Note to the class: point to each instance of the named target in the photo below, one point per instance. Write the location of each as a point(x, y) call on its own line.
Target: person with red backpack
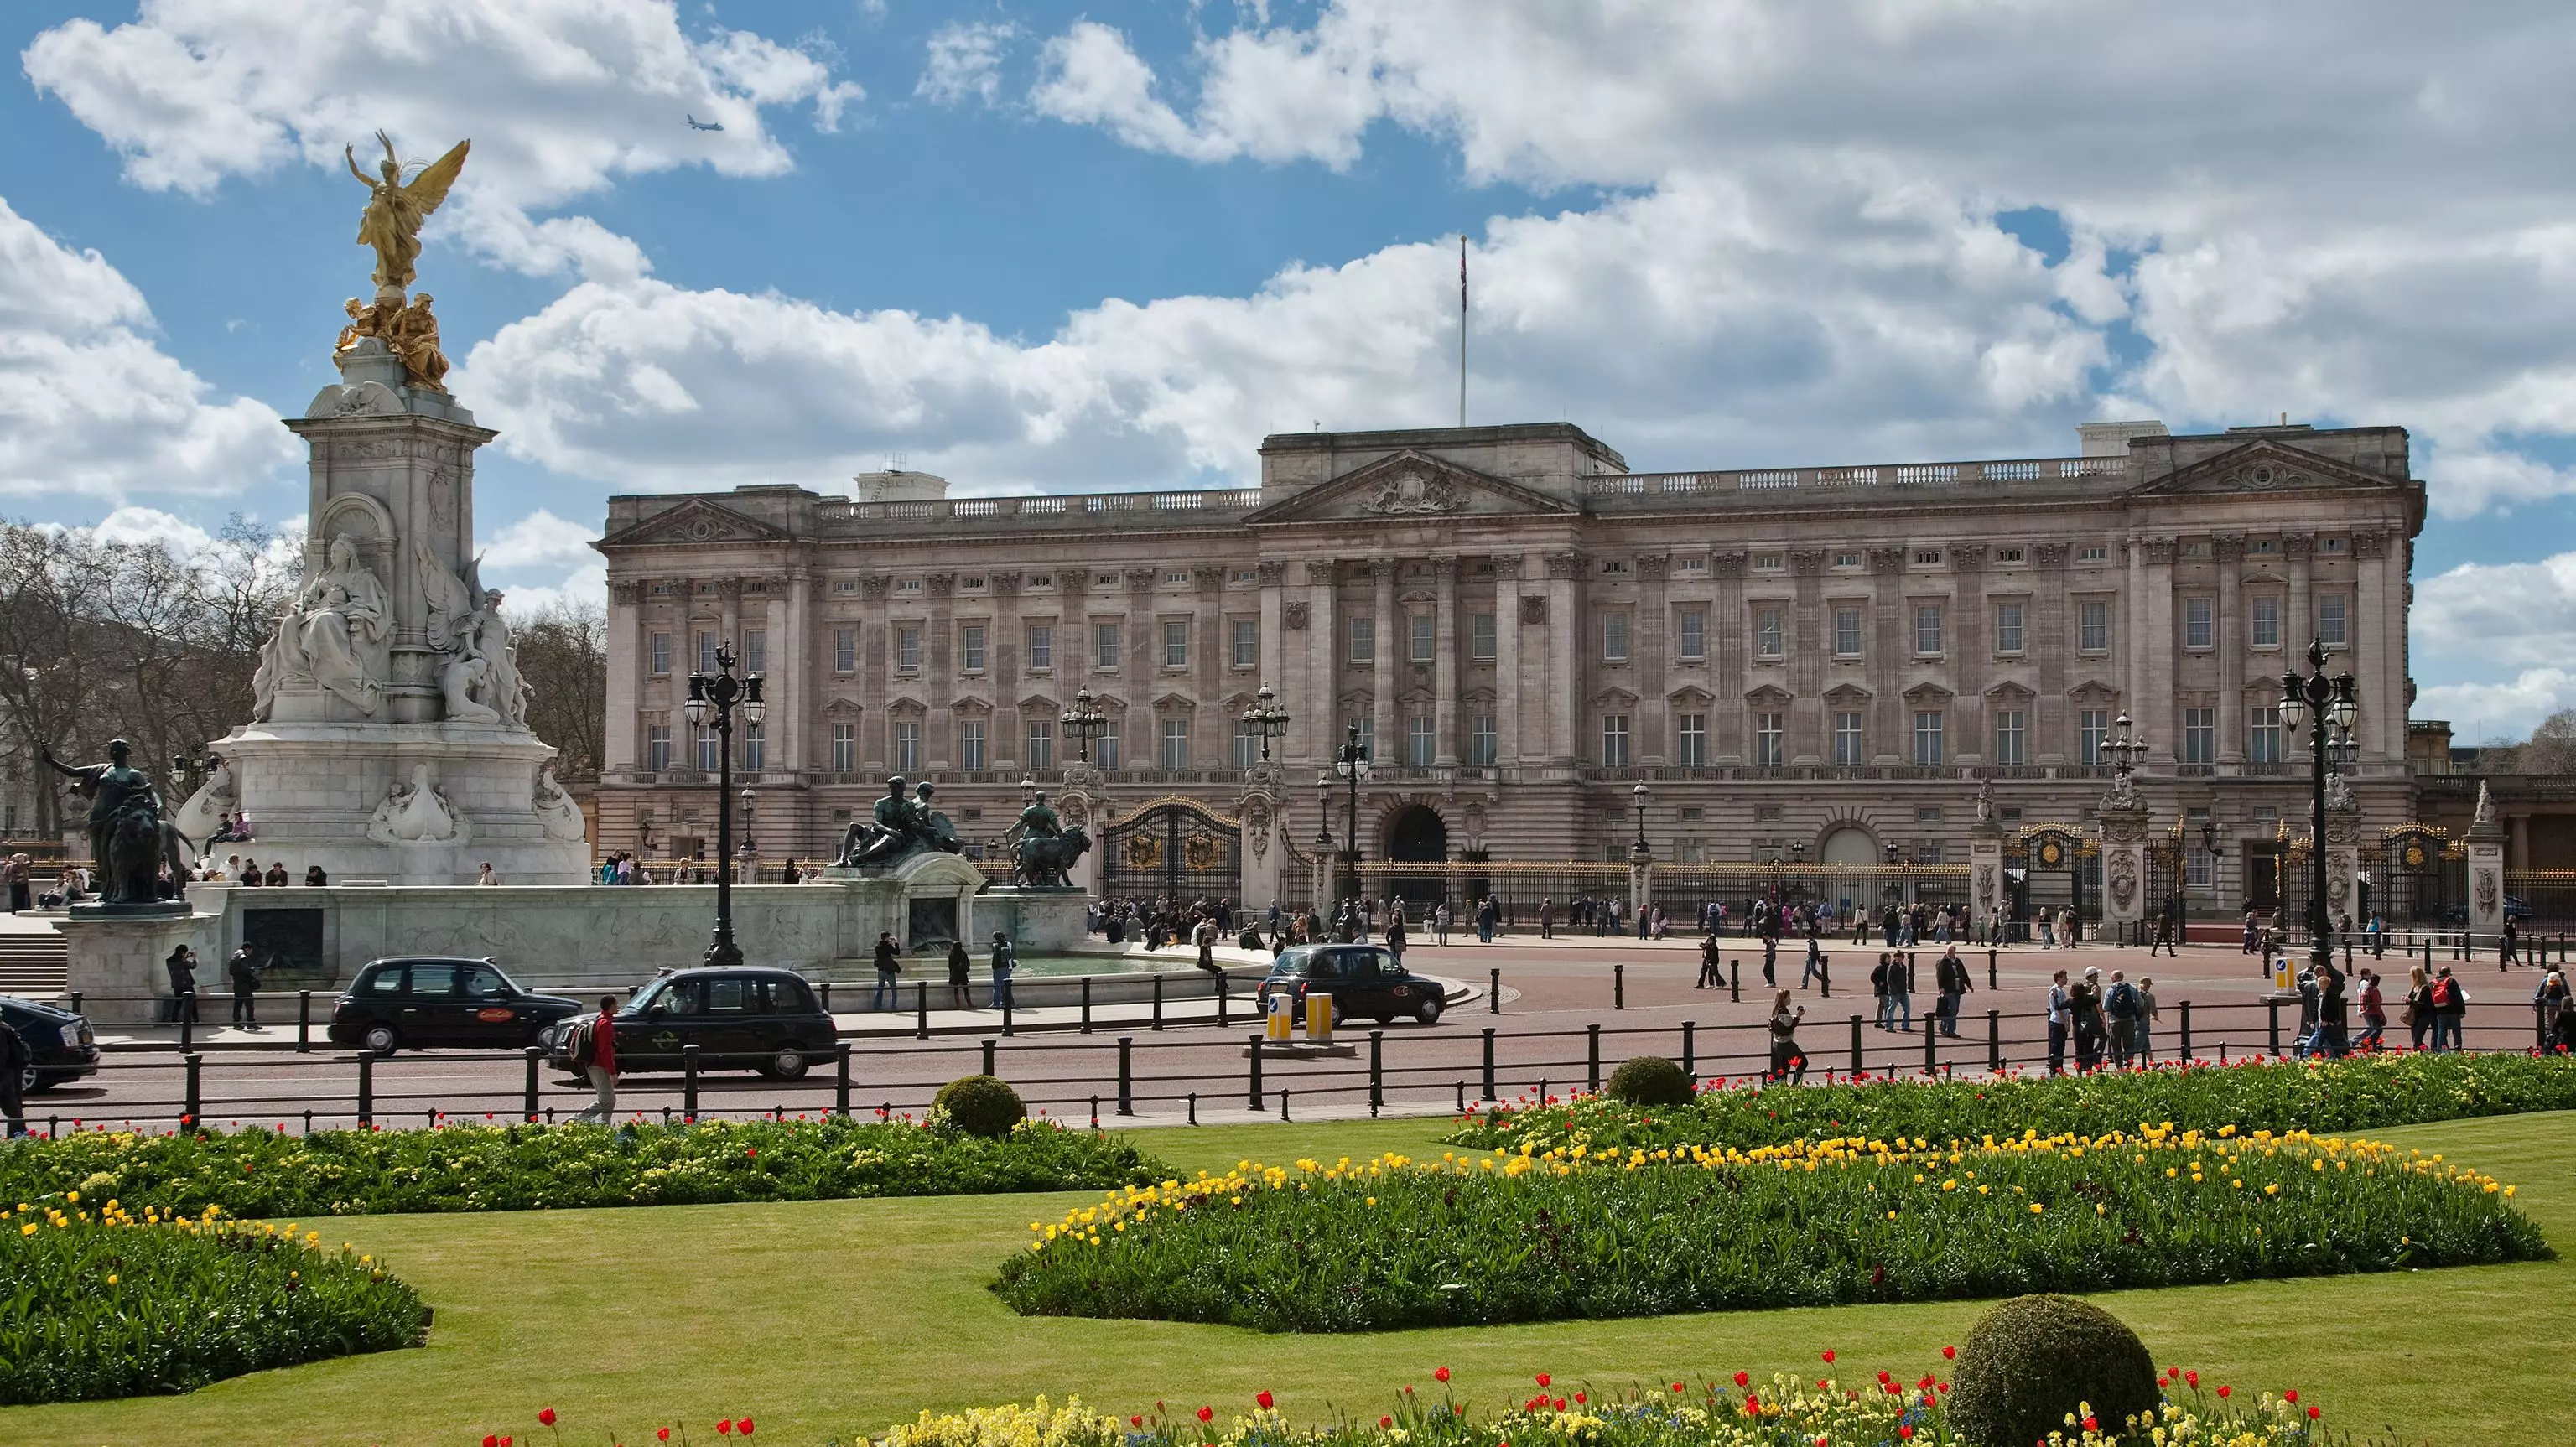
point(2450, 1010)
point(593, 1048)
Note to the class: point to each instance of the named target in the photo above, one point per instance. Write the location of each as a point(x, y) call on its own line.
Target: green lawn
point(830, 1319)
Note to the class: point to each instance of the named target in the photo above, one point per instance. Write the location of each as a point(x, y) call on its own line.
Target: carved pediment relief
point(2264, 465)
point(1409, 486)
point(1768, 696)
point(1691, 697)
point(1038, 705)
point(1927, 694)
point(694, 521)
point(1847, 694)
point(2093, 690)
point(1614, 698)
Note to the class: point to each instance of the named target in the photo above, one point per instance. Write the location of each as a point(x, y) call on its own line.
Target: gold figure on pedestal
point(412, 334)
point(396, 208)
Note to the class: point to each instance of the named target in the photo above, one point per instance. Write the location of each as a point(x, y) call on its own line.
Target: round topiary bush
point(1650, 1080)
point(980, 1105)
point(2034, 1359)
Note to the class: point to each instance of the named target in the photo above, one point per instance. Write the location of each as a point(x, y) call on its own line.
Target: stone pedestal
point(2123, 820)
point(1641, 887)
point(2485, 841)
point(1039, 921)
point(314, 793)
point(2343, 863)
point(926, 901)
point(115, 962)
point(1986, 893)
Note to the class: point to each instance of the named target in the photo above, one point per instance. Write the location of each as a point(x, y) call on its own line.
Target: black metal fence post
point(1221, 1021)
point(2272, 1025)
point(1931, 1019)
point(2186, 1032)
point(689, 1083)
point(1491, 1090)
point(1086, 1004)
point(1377, 1071)
point(1592, 1057)
point(1618, 986)
point(1825, 976)
point(989, 1047)
point(841, 1078)
point(1858, 1066)
point(1995, 1040)
point(1158, 1004)
point(1735, 983)
point(1494, 992)
point(304, 1022)
point(1126, 1075)
point(1990, 967)
point(366, 1088)
point(921, 1009)
point(1690, 1049)
point(1009, 999)
point(1252, 1077)
point(194, 1063)
point(528, 1088)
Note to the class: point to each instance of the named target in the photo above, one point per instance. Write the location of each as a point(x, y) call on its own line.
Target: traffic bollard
point(1126, 1075)
point(1158, 1004)
point(1690, 1049)
point(1490, 1095)
point(1990, 967)
point(1735, 983)
point(1859, 1068)
point(2272, 1025)
point(988, 1058)
point(1494, 992)
point(1086, 1004)
point(1221, 1021)
point(194, 1062)
point(1592, 1058)
point(1252, 1078)
point(841, 1078)
point(1995, 1040)
point(2186, 1032)
point(689, 1083)
point(1618, 987)
point(921, 1009)
point(1377, 1071)
point(367, 1089)
point(528, 1088)
point(304, 1022)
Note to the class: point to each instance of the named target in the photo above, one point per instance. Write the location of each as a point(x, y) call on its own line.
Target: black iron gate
point(2049, 869)
point(1175, 847)
point(2410, 881)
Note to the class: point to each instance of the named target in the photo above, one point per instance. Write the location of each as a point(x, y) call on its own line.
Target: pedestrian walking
point(961, 967)
point(2330, 1039)
point(1787, 1061)
point(2092, 1030)
point(2121, 1008)
point(1900, 987)
point(2509, 945)
point(2059, 1018)
point(2148, 1015)
point(2450, 1011)
point(1950, 978)
point(1395, 939)
point(2417, 1006)
point(2374, 1012)
point(594, 1049)
point(889, 961)
point(1878, 989)
point(1815, 966)
point(243, 971)
point(182, 965)
point(1711, 964)
point(1770, 959)
point(1546, 918)
point(1004, 959)
point(16, 1062)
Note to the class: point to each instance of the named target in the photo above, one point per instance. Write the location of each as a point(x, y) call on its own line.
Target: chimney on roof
point(896, 485)
point(2111, 439)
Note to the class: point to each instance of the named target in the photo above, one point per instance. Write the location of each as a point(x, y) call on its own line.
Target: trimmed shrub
point(1650, 1080)
point(2034, 1362)
point(979, 1105)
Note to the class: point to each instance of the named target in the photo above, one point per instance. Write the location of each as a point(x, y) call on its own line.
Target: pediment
point(2260, 466)
point(1847, 693)
point(694, 521)
point(2093, 690)
point(1410, 486)
point(1038, 703)
point(1691, 694)
point(1614, 697)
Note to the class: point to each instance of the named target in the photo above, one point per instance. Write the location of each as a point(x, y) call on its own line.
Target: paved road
point(1553, 996)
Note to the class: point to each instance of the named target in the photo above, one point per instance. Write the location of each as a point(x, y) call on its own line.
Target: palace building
point(1817, 662)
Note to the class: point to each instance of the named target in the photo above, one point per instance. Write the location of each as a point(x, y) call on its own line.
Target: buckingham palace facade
point(1825, 659)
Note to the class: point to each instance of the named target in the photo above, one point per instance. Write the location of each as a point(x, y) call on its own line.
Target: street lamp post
point(2324, 705)
point(713, 700)
point(1351, 764)
point(1264, 718)
point(1639, 850)
point(1083, 720)
point(750, 850)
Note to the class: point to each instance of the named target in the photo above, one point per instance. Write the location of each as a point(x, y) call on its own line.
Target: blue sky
point(1042, 245)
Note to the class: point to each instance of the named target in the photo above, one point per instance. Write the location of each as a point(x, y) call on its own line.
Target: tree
point(2552, 749)
point(563, 654)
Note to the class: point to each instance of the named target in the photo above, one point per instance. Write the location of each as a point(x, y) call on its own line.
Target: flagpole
point(1462, 329)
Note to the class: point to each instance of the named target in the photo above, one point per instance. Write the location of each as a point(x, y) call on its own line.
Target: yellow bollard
point(2281, 979)
point(1319, 1019)
point(1278, 1016)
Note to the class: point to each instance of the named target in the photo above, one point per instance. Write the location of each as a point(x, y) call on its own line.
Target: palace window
point(1693, 738)
point(970, 744)
point(1847, 748)
point(845, 748)
point(2012, 735)
point(2008, 555)
point(1770, 637)
point(2093, 626)
point(1481, 741)
point(2008, 629)
point(1927, 738)
point(706, 653)
point(907, 746)
point(1424, 629)
point(1367, 727)
point(2093, 729)
point(755, 650)
point(1692, 635)
point(1419, 742)
point(1927, 557)
point(657, 747)
point(1104, 647)
point(2200, 736)
point(2267, 623)
point(1766, 562)
point(1614, 637)
point(907, 649)
point(1846, 560)
point(1767, 739)
point(2199, 622)
point(1614, 565)
point(1041, 645)
point(1176, 743)
point(2263, 733)
point(755, 749)
point(970, 647)
point(1041, 746)
point(658, 649)
point(1614, 740)
point(1480, 637)
point(2331, 620)
point(1847, 633)
point(1247, 643)
point(2093, 553)
point(709, 749)
point(1363, 632)
point(1690, 565)
point(1927, 628)
point(845, 650)
point(1247, 745)
point(1176, 643)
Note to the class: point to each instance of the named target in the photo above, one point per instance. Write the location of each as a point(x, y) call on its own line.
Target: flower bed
point(1510, 1237)
point(108, 1304)
point(530, 1167)
point(2372, 1093)
point(1734, 1411)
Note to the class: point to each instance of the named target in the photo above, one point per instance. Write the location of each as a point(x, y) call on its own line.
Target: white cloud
point(90, 405)
point(1716, 316)
point(150, 525)
point(964, 62)
point(2504, 637)
point(562, 98)
point(585, 587)
point(2498, 712)
point(537, 540)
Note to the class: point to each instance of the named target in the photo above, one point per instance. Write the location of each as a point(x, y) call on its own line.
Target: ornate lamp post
point(750, 850)
point(1323, 812)
point(2124, 750)
point(1351, 764)
point(1083, 721)
point(713, 700)
point(2323, 704)
point(1265, 718)
point(1638, 850)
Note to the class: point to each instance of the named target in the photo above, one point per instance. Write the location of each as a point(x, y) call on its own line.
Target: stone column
point(2343, 856)
point(1889, 648)
point(1324, 664)
point(1078, 805)
point(1508, 621)
point(626, 665)
point(1264, 858)
point(1212, 734)
point(939, 675)
point(1568, 640)
point(1384, 641)
point(2051, 644)
point(2299, 628)
point(2485, 842)
point(1808, 646)
point(2230, 636)
point(2378, 657)
point(1969, 656)
point(1652, 669)
point(1140, 662)
point(2123, 820)
point(1726, 624)
point(1444, 668)
point(1986, 871)
point(2158, 719)
point(1274, 655)
point(876, 671)
point(784, 722)
point(1641, 887)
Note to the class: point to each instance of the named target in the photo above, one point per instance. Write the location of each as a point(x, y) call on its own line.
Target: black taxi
point(1364, 981)
point(419, 1002)
point(740, 1017)
point(60, 1045)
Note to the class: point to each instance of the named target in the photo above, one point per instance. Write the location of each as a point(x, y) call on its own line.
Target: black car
point(422, 1002)
point(1364, 980)
point(61, 1042)
point(740, 1018)
point(2514, 909)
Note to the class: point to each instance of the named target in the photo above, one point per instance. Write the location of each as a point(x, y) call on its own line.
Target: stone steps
point(33, 965)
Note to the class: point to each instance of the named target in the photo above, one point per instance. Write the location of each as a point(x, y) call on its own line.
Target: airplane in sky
point(698, 125)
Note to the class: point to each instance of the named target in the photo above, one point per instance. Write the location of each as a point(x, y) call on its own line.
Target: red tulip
point(2222, 1389)
point(1578, 1399)
point(2291, 1396)
point(1560, 1404)
point(1135, 1421)
point(1207, 1414)
point(1741, 1378)
point(1949, 1354)
point(661, 1434)
point(1263, 1397)
point(1542, 1379)
point(2092, 1424)
point(725, 1428)
point(1439, 1374)
point(545, 1416)
point(2314, 1414)
point(1677, 1386)
point(1384, 1422)
point(1829, 1358)
point(1905, 1433)
point(2192, 1378)
point(491, 1441)
point(743, 1426)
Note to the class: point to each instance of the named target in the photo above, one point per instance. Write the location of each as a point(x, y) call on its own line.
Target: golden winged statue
point(396, 208)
